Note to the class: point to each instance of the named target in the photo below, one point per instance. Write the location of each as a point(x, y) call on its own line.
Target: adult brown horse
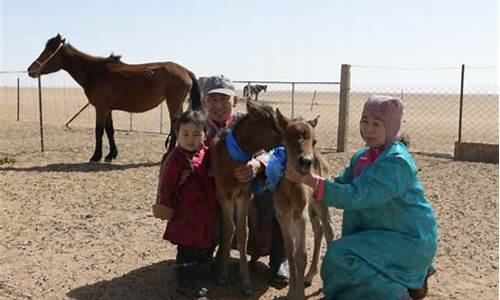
point(257, 130)
point(110, 84)
point(292, 201)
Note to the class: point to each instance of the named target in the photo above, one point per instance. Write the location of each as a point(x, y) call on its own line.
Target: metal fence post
point(343, 128)
point(461, 104)
point(17, 119)
point(293, 99)
point(40, 111)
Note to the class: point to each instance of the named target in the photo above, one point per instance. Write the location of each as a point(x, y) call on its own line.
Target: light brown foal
point(292, 201)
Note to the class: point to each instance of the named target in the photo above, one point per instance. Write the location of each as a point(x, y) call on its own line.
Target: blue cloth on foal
point(234, 149)
point(275, 171)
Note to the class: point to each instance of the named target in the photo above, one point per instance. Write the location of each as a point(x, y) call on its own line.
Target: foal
point(257, 130)
point(291, 201)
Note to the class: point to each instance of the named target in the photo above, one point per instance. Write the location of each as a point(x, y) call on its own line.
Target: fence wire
point(431, 112)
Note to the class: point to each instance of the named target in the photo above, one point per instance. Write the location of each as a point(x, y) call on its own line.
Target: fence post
point(40, 110)
point(461, 104)
point(130, 122)
point(293, 99)
point(343, 128)
point(17, 99)
point(161, 117)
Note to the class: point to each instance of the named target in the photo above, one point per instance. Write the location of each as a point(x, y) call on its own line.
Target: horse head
point(258, 129)
point(299, 141)
point(50, 60)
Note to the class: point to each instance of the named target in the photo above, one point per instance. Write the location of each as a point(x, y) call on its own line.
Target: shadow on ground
point(157, 282)
point(81, 167)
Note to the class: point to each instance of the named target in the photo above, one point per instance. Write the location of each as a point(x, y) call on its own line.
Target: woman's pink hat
point(387, 109)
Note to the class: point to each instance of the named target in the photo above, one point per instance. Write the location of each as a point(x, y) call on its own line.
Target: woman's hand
point(249, 171)
point(310, 179)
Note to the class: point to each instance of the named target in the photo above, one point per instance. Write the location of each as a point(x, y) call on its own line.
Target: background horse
point(251, 90)
point(257, 130)
point(291, 201)
point(111, 84)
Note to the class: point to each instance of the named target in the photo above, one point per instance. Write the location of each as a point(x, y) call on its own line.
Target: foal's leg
point(101, 115)
point(253, 232)
point(300, 256)
point(318, 234)
point(227, 210)
point(110, 132)
point(288, 243)
point(241, 230)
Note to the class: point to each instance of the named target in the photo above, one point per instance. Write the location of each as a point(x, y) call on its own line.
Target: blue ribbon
point(275, 171)
point(234, 149)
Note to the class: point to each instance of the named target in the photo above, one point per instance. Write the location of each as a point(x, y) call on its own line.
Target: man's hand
point(248, 172)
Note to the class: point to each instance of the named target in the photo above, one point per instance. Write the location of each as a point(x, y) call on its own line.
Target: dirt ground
point(74, 230)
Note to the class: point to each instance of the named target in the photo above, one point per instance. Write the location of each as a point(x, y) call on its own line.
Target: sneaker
point(282, 274)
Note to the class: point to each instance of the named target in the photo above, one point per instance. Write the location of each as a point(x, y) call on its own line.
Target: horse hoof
point(109, 158)
point(95, 158)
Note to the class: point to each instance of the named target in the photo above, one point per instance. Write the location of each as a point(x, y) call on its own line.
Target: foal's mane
point(263, 111)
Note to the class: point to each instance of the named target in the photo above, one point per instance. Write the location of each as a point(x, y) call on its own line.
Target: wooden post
point(161, 117)
point(76, 115)
point(40, 111)
point(343, 128)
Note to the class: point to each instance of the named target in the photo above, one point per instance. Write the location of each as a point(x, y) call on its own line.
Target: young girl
point(188, 202)
point(389, 234)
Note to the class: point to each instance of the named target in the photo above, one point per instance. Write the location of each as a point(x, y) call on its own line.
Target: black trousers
point(265, 209)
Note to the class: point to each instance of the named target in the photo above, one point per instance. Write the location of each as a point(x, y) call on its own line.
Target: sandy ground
point(74, 230)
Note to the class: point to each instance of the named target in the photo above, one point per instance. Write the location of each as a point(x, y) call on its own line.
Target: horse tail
point(194, 94)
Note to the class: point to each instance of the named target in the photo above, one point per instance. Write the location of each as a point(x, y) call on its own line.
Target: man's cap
point(218, 84)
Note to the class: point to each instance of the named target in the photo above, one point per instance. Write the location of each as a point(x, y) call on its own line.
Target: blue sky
point(268, 40)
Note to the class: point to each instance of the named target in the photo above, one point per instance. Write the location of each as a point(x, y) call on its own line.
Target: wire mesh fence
point(431, 117)
point(431, 112)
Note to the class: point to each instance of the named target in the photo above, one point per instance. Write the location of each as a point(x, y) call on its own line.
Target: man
point(219, 99)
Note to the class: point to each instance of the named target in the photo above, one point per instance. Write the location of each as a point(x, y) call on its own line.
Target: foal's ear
point(314, 122)
point(282, 120)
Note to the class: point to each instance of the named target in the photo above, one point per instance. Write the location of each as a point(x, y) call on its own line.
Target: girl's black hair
point(191, 116)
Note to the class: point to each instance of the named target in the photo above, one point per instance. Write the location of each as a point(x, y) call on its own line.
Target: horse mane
point(264, 111)
point(112, 58)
